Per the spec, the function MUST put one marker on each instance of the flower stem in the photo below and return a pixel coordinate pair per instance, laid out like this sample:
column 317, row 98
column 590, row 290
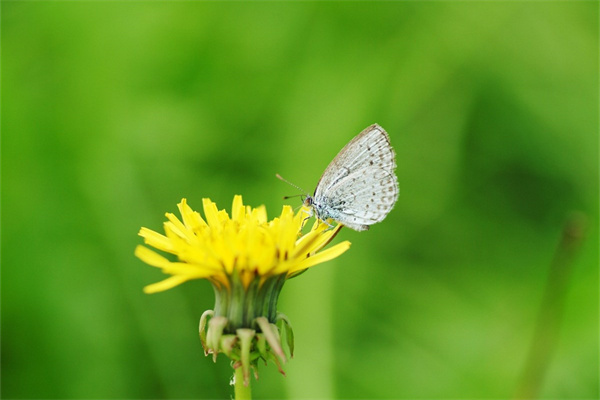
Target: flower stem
column 549, row 316
column 241, row 392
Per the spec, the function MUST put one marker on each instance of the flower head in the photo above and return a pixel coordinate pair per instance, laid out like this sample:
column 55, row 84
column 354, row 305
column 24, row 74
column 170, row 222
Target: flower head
column 245, row 244
column 247, row 259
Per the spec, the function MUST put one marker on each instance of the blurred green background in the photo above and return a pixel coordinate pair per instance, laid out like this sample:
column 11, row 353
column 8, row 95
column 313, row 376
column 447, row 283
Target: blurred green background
column 112, row 112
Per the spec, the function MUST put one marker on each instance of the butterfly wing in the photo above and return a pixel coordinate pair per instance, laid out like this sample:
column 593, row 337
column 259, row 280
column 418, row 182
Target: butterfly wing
column 362, row 198
column 359, row 187
column 370, row 148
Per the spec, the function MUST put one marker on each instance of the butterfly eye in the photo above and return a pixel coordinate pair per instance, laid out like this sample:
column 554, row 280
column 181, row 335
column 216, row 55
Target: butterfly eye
column 308, row 201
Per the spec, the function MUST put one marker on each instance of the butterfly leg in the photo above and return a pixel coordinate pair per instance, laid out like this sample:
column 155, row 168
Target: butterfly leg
column 309, row 214
column 304, row 222
column 328, row 224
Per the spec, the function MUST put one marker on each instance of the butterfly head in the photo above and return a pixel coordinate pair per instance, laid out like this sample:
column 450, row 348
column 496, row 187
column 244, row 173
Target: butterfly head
column 308, row 201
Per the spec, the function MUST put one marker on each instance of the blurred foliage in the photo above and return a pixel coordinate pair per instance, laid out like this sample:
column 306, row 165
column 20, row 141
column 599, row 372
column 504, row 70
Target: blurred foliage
column 112, row 112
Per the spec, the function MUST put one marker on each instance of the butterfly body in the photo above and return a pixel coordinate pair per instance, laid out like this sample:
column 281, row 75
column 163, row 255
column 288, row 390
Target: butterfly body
column 359, row 187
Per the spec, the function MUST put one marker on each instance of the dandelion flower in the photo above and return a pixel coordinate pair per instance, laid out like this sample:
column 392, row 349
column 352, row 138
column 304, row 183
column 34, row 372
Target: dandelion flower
column 247, row 259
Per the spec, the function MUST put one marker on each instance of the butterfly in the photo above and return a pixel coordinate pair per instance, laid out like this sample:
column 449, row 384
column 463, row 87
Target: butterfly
column 359, row 187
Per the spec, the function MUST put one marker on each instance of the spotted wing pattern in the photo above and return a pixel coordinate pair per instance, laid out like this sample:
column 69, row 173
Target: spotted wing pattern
column 359, row 187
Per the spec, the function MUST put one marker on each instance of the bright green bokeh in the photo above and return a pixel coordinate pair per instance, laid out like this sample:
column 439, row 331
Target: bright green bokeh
column 112, row 112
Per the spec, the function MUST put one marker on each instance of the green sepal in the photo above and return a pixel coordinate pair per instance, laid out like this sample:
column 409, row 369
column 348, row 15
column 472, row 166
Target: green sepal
column 285, row 327
column 202, row 329
column 213, row 336
column 272, row 335
column 228, row 343
column 246, row 336
column 261, row 345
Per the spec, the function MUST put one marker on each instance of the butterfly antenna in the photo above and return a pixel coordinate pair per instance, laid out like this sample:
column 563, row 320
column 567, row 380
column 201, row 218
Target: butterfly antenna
column 291, row 184
column 294, row 195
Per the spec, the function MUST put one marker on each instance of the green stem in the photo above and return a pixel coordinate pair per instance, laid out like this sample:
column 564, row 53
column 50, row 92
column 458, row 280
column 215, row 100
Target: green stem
column 241, row 392
column 548, row 323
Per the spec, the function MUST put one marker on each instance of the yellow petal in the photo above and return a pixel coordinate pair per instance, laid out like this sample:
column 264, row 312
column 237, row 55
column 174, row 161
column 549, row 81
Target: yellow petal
column 238, row 211
column 156, row 240
column 306, row 243
column 260, row 214
column 223, row 216
column 326, row 237
column 211, row 213
column 165, row 284
column 176, row 225
column 321, row 257
column 191, row 219
column 150, row 257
